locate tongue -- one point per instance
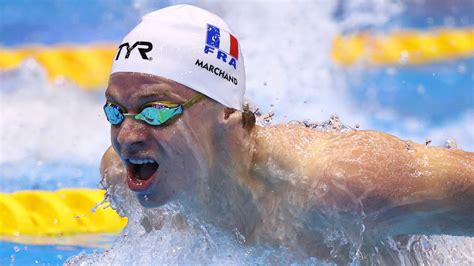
(145, 171)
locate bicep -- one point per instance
(442, 202)
(401, 187)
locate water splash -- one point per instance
(44, 121)
(333, 124)
(451, 144)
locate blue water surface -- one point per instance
(23, 254)
(47, 175)
(73, 21)
(435, 93)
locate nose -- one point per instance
(132, 135)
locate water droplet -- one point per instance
(451, 144)
(408, 147)
(267, 118)
(241, 238)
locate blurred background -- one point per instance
(402, 67)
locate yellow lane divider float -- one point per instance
(404, 47)
(89, 66)
(54, 213)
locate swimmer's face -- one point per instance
(162, 162)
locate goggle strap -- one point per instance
(193, 100)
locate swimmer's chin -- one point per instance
(152, 200)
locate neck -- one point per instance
(244, 195)
(226, 199)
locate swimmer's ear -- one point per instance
(248, 120)
(248, 117)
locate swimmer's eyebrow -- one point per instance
(109, 97)
(157, 91)
(150, 93)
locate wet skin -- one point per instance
(264, 180)
(169, 146)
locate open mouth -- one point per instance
(141, 173)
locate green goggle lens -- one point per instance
(155, 114)
(158, 114)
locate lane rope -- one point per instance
(404, 47)
(89, 66)
(56, 213)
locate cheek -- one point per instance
(170, 140)
(177, 152)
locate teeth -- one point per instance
(138, 161)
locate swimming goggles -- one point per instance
(153, 113)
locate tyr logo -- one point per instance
(143, 48)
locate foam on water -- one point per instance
(52, 133)
(46, 121)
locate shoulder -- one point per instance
(294, 137)
(109, 159)
(299, 146)
(309, 152)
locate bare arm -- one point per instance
(398, 186)
(412, 188)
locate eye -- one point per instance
(161, 105)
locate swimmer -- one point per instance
(179, 132)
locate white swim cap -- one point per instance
(188, 45)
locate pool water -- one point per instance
(23, 254)
(50, 251)
(53, 133)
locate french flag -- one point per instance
(222, 40)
